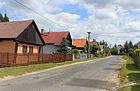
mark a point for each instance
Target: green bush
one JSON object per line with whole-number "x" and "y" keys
{"x": 114, "y": 51}
{"x": 136, "y": 57}
{"x": 76, "y": 51}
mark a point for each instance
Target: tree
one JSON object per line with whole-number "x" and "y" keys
{"x": 76, "y": 51}
{"x": 1, "y": 18}
{"x": 115, "y": 46}
{"x": 94, "y": 40}
{"x": 6, "y": 19}
{"x": 85, "y": 48}
{"x": 131, "y": 44}
{"x": 114, "y": 51}
{"x": 126, "y": 45}
{"x": 64, "y": 46}
{"x": 94, "y": 48}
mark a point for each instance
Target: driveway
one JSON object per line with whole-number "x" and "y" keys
{"x": 87, "y": 76}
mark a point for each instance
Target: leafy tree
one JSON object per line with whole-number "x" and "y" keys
{"x": 114, "y": 51}
{"x": 94, "y": 48}
{"x": 130, "y": 50}
{"x": 64, "y": 46}
{"x": 76, "y": 51}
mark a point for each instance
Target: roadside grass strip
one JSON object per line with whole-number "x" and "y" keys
{"x": 129, "y": 76}
{"x": 13, "y": 71}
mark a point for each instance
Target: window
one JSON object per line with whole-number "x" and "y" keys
{"x": 24, "y": 49}
{"x": 30, "y": 50}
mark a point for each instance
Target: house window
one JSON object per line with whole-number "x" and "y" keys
{"x": 31, "y": 50}
{"x": 24, "y": 49}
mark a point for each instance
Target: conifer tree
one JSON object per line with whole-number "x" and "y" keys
{"x": 64, "y": 46}
{"x": 6, "y": 19}
{"x": 1, "y": 18}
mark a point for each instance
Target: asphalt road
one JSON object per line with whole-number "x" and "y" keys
{"x": 88, "y": 76}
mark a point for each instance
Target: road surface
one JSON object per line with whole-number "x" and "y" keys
{"x": 87, "y": 76}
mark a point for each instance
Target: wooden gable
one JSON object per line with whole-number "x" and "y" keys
{"x": 31, "y": 35}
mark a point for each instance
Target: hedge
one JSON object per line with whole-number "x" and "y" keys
{"x": 136, "y": 57}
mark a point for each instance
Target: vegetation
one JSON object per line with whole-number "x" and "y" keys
{"x": 129, "y": 74}
{"x": 136, "y": 57}
{"x": 64, "y": 46}
{"x": 114, "y": 51}
{"x": 130, "y": 88}
{"x": 76, "y": 51}
{"x": 4, "y": 19}
{"x": 94, "y": 48}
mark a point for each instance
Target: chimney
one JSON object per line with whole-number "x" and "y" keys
{"x": 42, "y": 31}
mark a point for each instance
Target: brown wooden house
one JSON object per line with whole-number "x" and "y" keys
{"x": 20, "y": 37}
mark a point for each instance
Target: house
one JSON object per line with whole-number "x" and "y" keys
{"x": 93, "y": 43}
{"x": 20, "y": 37}
{"x": 53, "y": 41}
{"x": 79, "y": 43}
{"x": 138, "y": 44}
{"x": 120, "y": 48}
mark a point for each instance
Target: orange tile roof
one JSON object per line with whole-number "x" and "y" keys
{"x": 93, "y": 43}
{"x": 54, "y": 37}
{"x": 79, "y": 42}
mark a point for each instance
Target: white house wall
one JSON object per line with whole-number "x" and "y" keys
{"x": 50, "y": 49}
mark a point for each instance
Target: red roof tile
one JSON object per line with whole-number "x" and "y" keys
{"x": 54, "y": 37}
{"x": 79, "y": 42}
{"x": 93, "y": 43}
{"x": 13, "y": 28}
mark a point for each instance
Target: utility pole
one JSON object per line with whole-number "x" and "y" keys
{"x": 88, "y": 44}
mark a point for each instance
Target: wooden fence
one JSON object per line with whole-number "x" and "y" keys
{"x": 10, "y": 59}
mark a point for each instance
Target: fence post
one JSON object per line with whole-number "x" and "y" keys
{"x": 7, "y": 59}
{"x": 28, "y": 59}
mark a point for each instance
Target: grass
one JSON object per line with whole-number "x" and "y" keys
{"x": 129, "y": 73}
{"x": 12, "y": 71}
{"x": 130, "y": 88}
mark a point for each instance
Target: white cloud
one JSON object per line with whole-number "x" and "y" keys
{"x": 103, "y": 17}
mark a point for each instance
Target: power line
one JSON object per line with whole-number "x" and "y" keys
{"x": 117, "y": 33}
{"x": 38, "y": 13}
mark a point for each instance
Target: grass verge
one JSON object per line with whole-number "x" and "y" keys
{"x": 129, "y": 74}
{"x": 12, "y": 71}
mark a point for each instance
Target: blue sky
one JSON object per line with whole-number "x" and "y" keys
{"x": 80, "y": 16}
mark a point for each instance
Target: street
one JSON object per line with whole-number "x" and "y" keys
{"x": 87, "y": 76}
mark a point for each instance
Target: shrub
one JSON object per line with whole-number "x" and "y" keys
{"x": 136, "y": 57}
{"x": 114, "y": 51}
{"x": 76, "y": 51}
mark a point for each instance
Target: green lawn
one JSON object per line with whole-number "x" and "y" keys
{"x": 26, "y": 69}
{"x": 129, "y": 73}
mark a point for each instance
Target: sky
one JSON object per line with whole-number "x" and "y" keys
{"x": 105, "y": 19}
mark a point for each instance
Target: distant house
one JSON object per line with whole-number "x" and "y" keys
{"x": 20, "y": 37}
{"x": 93, "y": 43}
{"x": 79, "y": 43}
{"x": 53, "y": 41}
{"x": 138, "y": 44}
{"x": 120, "y": 48}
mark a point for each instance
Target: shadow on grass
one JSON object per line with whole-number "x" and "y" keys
{"x": 132, "y": 67}
{"x": 135, "y": 77}
{"x": 135, "y": 88}
{"x": 130, "y": 88}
